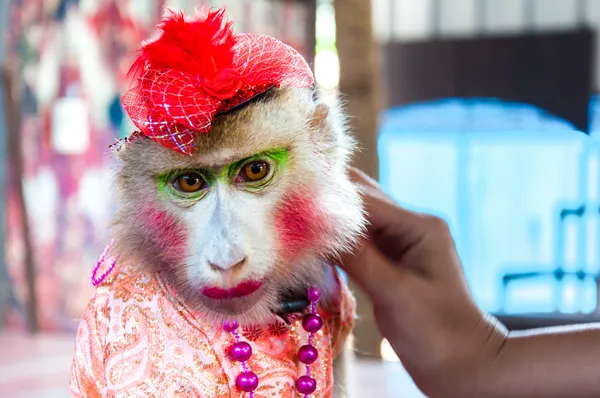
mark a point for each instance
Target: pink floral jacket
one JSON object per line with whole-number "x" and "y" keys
{"x": 137, "y": 339}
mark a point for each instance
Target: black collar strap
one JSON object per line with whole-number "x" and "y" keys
{"x": 292, "y": 304}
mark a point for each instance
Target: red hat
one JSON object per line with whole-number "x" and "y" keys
{"x": 198, "y": 68}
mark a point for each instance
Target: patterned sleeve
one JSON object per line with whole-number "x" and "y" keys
{"x": 87, "y": 369}
{"x": 341, "y": 320}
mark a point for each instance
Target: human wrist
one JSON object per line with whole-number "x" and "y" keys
{"x": 474, "y": 367}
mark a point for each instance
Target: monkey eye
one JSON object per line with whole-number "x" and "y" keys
{"x": 254, "y": 171}
{"x": 189, "y": 182}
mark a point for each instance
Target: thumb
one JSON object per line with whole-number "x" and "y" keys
{"x": 372, "y": 271}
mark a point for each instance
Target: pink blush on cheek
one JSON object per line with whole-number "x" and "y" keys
{"x": 299, "y": 223}
{"x": 165, "y": 233}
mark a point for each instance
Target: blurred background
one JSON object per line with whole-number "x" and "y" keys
{"x": 484, "y": 112}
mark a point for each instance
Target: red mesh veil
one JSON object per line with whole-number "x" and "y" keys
{"x": 198, "y": 68}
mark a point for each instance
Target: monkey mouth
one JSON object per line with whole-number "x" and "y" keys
{"x": 242, "y": 290}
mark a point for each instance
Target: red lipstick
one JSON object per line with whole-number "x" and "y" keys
{"x": 241, "y": 290}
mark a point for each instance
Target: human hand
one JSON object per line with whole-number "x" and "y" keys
{"x": 409, "y": 267}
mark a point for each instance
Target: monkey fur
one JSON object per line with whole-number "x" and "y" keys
{"x": 284, "y": 233}
{"x": 319, "y": 151}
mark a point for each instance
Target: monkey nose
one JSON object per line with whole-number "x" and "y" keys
{"x": 227, "y": 266}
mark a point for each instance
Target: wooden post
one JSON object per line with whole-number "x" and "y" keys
{"x": 311, "y": 31}
{"x": 11, "y": 95}
{"x": 5, "y": 285}
{"x": 359, "y": 85}
{"x": 359, "y": 77}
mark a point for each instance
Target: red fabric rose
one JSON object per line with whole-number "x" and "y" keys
{"x": 224, "y": 85}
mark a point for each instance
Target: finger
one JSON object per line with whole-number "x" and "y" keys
{"x": 360, "y": 177}
{"x": 384, "y": 213}
{"x": 373, "y": 272}
{"x": 434, "y": 253}
{"x": 367, "y": 184}
{"x": 374, "y": 196}
{"x": 395, "y": 231}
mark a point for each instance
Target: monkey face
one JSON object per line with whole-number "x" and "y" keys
{"x": 255, "y": 212}
{"x": 231, "y": 240}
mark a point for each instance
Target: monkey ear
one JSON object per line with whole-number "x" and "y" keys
{"x": 322, "y": 126}
{"x": 319, "y": 117}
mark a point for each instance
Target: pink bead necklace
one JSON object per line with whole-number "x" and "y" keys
{"x": 241, "y": 351}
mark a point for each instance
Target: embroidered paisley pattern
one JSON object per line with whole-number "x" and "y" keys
{"x": 137, "y": 339}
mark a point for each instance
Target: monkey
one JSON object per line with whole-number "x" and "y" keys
{"x": 234, "y": 231}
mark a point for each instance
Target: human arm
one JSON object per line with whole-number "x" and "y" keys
{"x": 410, "y": 269}
{"x": 555, "y": 362}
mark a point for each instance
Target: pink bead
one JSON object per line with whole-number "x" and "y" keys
{"x": 306, "y": 385}
{"x": 241, "y": 351}
{"x": 247, "y": 381}
{"x": 312, "y": 323}
{"x": 308, "y": 354}
{"x": 230, "y": 326}
{"x": 314, "y": 294}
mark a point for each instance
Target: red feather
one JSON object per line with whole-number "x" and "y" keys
{"x": 196, "y": 47}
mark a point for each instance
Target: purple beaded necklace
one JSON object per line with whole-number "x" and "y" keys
{"x": 241, "y": 351}
{"x": 96, "y": 281}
